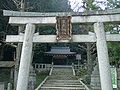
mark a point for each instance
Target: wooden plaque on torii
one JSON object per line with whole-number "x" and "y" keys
{"x": 63, "y": 26}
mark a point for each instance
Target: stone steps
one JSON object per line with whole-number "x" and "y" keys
{"x": 59, "y": 70}
{"x": 63, "y": 85}
{"x": 63, "y": 81}
{"x": 62, "y": 78}
{"x": 62, "y": 88}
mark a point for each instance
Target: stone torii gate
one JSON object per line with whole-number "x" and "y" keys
{"x": 31, "y": 19}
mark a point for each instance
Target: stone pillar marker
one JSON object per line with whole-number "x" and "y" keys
{"x": 103, "y": 59}
{"x": 9, "y": 86}
{"x": 22, "y": 83}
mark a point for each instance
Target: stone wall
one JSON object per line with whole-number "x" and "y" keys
{"x": 95, "y": 79}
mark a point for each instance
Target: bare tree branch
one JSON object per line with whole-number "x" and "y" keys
{"x": 82, "y": 47}
{"x": 93, "y": 46}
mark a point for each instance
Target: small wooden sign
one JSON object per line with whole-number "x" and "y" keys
{"x": 78, "y": 57}
{"x": 63, "y": 26}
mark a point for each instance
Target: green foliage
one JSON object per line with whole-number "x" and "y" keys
{"x": 40, "y": 77}
{"x": 47, "y": 30}
{"x": 5, "y": 5}
{"x": 114, "y": 52}
{"x": 39, "y": 50}
{"x": 113, "y": 4}
{"x": 82, "y": 72}
{"x": 113, "y": 47}
{"x": 4, "y": 75}
{"x": 49, "y": 5}
{"x": 90, "y": 5}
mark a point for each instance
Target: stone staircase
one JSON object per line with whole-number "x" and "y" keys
{"x": 62, "y": 78}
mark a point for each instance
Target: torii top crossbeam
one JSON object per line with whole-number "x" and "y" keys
{"x": 50, "y": 18}
{"x": 52, "y": 14}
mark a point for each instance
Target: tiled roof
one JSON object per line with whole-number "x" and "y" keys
{"x": 60, "y": 50}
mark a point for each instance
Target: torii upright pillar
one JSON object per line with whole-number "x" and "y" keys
{"x": 103, "y": 59}
{"x": 22, "y": 83}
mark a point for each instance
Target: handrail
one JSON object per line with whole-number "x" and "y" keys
{"x": 51, "y": 71}
{"x": 73, "y": 71}
{"x": 86, "y": 87}
{"x": 42, "y": 83}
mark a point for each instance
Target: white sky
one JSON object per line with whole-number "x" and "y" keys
{"x": 76, "y": 4}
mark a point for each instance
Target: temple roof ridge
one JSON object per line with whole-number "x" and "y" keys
{"x": 60, "y": 50}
